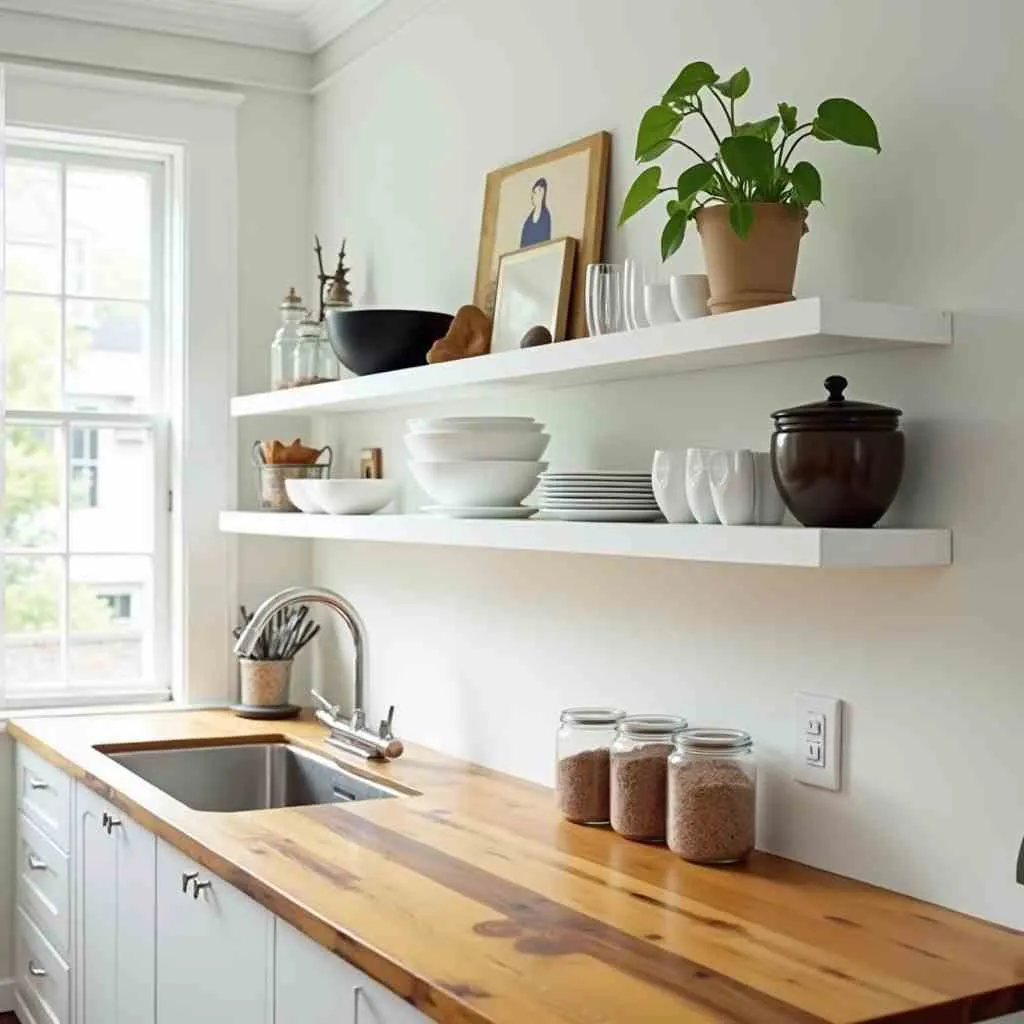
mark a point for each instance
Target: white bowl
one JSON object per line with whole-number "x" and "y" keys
{"x": 352, "y": 497}
{"x": 473, "y": 424}
{"x": 299, "y": 495}
{"x": 454, "y": 446}
{"x": 488, "y": 483}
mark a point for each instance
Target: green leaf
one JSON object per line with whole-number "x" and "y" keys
{"x": 845, "y": 121}
{"x": 643, "y": 191}
{"x": 741, "y": 216}
{"x": 692, "y": 79}
{"x": 674, "y": 233}
{"x": 787, "y": 114}
{"x": 736, "y": 86}
{"x": 765, "y": 129}
{"x": 749, "y": 158}
{"x": 693, "y": 179}
{"x": 656, "y": 128}
{"x": 806, "y": 183}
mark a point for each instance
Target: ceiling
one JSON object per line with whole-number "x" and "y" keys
{"x": 301, "y": 26}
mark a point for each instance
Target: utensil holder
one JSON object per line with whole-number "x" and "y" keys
{"x": 270, "y": 479}
{"x": 264, "y": 684}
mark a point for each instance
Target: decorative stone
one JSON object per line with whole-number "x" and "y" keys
{"x": 535, "y": 336}
{"x": 469, "y": 335}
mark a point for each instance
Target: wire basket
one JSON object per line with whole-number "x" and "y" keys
{"x": 270, "y": 479}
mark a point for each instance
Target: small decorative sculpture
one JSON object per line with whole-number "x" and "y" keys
{"x": 535, "y": 336}
{"x": 339, "y": 292}
{"x": 469, "y": 335}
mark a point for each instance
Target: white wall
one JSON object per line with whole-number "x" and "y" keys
{"x": 480, "y": 650}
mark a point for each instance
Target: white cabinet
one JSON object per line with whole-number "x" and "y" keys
{"x": 115, "y": 915}
{"x": 313, "y": 986}
{"x": 214, "y": 948}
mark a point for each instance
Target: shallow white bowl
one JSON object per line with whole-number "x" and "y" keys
{"x": 487, "y": 483}
{"x": 299, "y": 495}
{"x": 351, "y": 497}
{"x": 474, "y": 424}
{"x": 454, "y": 446}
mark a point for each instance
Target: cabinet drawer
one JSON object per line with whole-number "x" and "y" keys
{"x": 43, "y": 979}
{"x": 44, "y": 884}
{"x": 44, "y": 795}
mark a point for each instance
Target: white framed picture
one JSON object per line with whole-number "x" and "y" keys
{"x": 534, "y": 285}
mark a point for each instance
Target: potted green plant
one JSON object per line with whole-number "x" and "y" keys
{"x": 749, "y": 199}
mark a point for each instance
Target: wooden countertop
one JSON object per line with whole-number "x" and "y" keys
{"x": 476, "y": 903}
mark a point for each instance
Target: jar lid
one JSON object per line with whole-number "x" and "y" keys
{"x": 837, "y": 412}
{"x": 593, "y": 716}
{"x": 651, "y": 725}
{"x": 308, "y": 329}
{"x": 712, "y": 740}
{"x": 292, "y": 300}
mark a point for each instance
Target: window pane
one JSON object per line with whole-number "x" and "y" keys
{"x": 32, "y": 617}
{"x": 32, "y": 344}
{"x": 33, "y": 227}
{"x": 32, "y": 487}
{"x": 112, "y": 506}
{"x": 111, "y": 620}
{"x": 107, "y": 366}
{"x": 108, "y": 233}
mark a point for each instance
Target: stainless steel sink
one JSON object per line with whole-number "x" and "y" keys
{"x": 248, "y": 777}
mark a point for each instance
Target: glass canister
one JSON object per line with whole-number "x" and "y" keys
{"x": 584, "y": 740}
{"x": 712, "y": 796}
{"x": 282, "y": 351}
{"x": 639, "y": 761}
{"x": 314, "y": 361}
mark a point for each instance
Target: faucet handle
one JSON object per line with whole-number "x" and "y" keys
{"x": 385, "y": 731}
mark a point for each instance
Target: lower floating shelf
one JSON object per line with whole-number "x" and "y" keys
{"x": 738, "y": 545}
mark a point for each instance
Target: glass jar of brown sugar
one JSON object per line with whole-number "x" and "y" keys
{"x": 584, "y": 739}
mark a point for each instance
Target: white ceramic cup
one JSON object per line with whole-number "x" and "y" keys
{"x": 689, "y": 294}
{"x": 732, "y": 486}
{"x": 658, "y": 303}
{"x": 769, "y": 508}
{"x": 698, "y": 484}
{"x": 668, "y": 477}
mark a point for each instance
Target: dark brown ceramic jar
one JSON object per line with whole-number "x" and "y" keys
{"x": 838, "y": 463}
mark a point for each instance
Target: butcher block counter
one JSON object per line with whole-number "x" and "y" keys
{"x": 475, "y": 902}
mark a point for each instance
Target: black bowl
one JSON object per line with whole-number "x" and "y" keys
{"x": 377, "y": 340}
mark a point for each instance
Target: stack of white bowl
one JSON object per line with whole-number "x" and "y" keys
{"x": 477, "y": 467}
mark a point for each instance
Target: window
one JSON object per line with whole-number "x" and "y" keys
{"x": 85, "y": 533}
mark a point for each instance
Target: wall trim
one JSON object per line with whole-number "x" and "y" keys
{"x": 328, "y": 19}
{"x": 7, "y": 995}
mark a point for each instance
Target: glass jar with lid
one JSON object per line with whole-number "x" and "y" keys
{"x": 712, "y": 796}
{"x": 314, "y": 362}
{"x": 639, "y": 761}
{"x": 584, "y": 739}
{"x": 282, "y": 351}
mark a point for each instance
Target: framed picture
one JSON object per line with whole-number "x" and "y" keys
{"x": 533, "y": 290}
{"x": 560, "y": 194}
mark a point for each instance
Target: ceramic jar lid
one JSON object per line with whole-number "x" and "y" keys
{"x": 837, "y": 413}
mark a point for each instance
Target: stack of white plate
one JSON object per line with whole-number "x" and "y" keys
{"x": 599, "y": 497}
{"x": 477, "y": 467}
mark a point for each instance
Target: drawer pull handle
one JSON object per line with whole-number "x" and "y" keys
{"x": 188, "y": 876}
{"x": 198, "y": 886}
{"x": 34, "y": 783}
{"x": 36, "y": 863}
{"x": 357, "y": 991}
{"x": 110, "y": 822}
{"x": 35, "y": 970}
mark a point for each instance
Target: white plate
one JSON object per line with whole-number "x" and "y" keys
{"x": 644, "y": 506}
{"x": 471, "y": 423}
{"x": 586, "y": 491}
{"x": 479, "y": 512}
{"x": 592, "y": 515}
{"x": 605, "y": 477}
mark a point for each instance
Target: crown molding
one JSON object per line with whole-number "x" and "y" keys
{"x": 325, "y": 20}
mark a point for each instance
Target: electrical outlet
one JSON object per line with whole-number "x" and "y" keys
{"x": 819, "y": 740}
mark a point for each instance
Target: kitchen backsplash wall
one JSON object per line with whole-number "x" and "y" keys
{"x": 480, "y": 649}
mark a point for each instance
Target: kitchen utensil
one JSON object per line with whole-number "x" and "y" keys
{"x": 351, "y": 497}
{"x": 769, "y": 508}
{"x": 481, "y": 512}
{"x": 489, "y": 482}
{"x": 658, "y": 304}
{"x": 447, "y": 446}
{"x": 689, "y": 294}
{"x": 732, "y": 486}
{"x": 373, "y": 340}
{"x": 633, "y": 296}
{"x": 698, "y": 484}
{"x": 473, "y": 424}
{"x": 838, "y": 463}
{"x": 604, "y": 299}
{"x": 668, "y": 477}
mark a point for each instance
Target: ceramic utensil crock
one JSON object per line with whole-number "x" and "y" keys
{"x": 838, "y": 463}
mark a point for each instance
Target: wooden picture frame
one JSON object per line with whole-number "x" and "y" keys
{"x": 517, "y": 213}
{"x": 533, "y": 290}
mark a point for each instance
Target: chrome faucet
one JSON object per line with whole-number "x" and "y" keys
{"x": 349, "y": 734}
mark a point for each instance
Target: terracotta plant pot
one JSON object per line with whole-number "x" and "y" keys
{"x": 758, "y": 270}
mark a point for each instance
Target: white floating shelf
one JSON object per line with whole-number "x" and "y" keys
{"x": 792, "y": 330}
{"x": 740, "y": 545}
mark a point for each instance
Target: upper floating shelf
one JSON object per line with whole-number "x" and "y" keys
{"x": 792, "y": 330}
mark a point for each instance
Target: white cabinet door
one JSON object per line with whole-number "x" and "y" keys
{"x": 313, "y": 986}
{"x": 214, "y": 955}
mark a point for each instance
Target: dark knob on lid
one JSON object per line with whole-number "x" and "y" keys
{"x": 836, "y": 386}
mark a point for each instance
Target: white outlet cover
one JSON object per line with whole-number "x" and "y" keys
{"x": 829, "y": 774}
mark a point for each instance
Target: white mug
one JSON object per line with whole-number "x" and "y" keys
{"x": 658, "y": 303}
{"x": 690, "y": 294}
{"x": 698, "y": 484}
{"x": 769, "y": 508}
{"x": 732, "y": 486}
{"x": 668, "y": 477}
